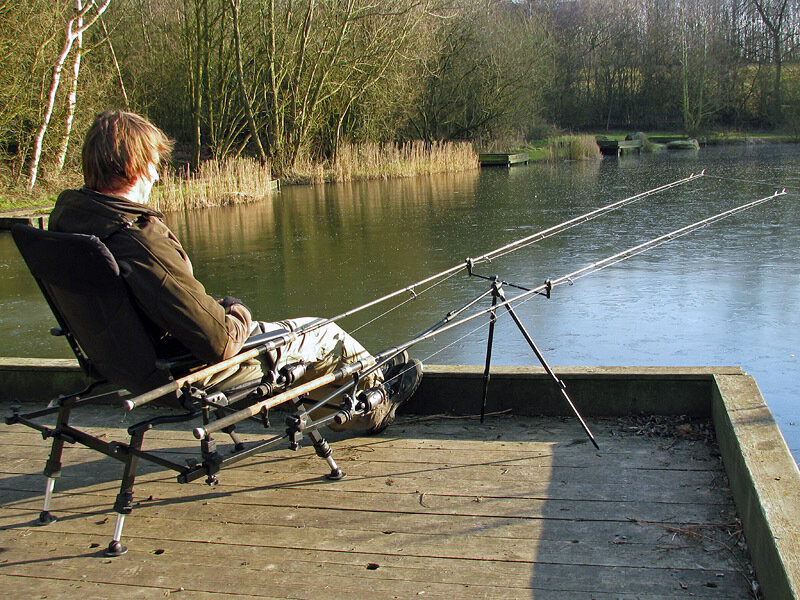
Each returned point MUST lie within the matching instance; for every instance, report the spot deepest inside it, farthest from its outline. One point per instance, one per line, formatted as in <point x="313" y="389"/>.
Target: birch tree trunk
<point x="69" y="39"/>
<point x="73" y="91"/>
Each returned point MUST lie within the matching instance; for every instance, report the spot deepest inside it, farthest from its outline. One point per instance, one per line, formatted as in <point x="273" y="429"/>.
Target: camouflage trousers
<point x="323" y="350"/>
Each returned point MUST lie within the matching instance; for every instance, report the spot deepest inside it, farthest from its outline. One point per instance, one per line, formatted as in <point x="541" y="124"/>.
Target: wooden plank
<point x="503" y="159"/>
<point x="486" y="472"/>
<point x="627" y="532"/>
<point x="431" y="509"/>
<point x="236" y="566"/>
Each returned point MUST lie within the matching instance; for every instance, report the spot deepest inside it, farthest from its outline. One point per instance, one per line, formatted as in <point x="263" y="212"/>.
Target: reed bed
<point x="574" y="147"/>
<point x="246" y="180"/>
<point x="216" y="183"/>
<point x="384" y="161"/>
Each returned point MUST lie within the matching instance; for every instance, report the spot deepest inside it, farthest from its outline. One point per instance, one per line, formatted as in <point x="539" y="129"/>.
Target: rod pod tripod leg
<point x="487" y="367"/>
<point x="497" y="293"/>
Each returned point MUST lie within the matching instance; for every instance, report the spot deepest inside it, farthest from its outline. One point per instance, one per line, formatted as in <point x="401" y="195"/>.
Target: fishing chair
<point x="86" y="291"/>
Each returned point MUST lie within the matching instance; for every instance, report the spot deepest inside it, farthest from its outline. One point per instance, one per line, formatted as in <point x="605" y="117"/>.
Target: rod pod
<point x="498" y="294"/>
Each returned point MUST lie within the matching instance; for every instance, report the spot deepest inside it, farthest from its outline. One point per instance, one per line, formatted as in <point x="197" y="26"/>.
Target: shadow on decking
<point x="445" y="507"/>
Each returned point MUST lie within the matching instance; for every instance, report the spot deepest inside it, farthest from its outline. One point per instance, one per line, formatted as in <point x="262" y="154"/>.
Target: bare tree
<point x="76" y="26"/>
<point x="320" y="57"/>
<point x="72" y="97"/>
<point x="248" y="107"/>
<point x="774" y="14"/>
<point x="693" y="57"/>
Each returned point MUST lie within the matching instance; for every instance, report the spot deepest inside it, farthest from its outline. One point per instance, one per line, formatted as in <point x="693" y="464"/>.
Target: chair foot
<point x="45" y="518"/>
<point x="115" y="548"/>
<point x="335" y="475"/>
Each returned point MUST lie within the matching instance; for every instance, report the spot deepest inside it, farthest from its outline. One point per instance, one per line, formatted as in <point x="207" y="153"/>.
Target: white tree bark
<point x="73" y="91"/>
<point x="75" y="28"/>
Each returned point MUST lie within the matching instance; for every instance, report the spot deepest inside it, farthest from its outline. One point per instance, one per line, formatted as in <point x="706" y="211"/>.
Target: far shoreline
<point x="34" y="207"/>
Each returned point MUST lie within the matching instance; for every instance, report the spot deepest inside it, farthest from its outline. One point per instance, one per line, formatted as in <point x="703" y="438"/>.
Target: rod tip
<point x="199" y="433"/>
<point x="129" y="405"/>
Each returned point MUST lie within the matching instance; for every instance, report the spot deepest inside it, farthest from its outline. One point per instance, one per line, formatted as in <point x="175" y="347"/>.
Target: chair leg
<point x="124" y="502"/>
<point x="46" y="517"/>
<point x="52" y="468"/>
<point x="116" y="547"/>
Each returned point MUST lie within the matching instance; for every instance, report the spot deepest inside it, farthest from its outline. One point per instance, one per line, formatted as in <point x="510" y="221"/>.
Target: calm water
<point x="725" y="295"/>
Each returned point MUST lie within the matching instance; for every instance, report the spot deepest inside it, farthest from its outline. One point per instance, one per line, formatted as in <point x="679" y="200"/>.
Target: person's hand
<point x="229" y="301"/>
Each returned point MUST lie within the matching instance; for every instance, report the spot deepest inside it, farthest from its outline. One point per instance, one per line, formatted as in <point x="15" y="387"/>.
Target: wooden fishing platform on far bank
<point x="439" y="505"/>
<point x="499" y="159"/>
<point x="24" y="217"/>
<point x="618" y="147"/>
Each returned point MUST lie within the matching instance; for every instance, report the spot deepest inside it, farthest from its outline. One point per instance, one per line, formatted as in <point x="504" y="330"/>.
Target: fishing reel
<point x="361" y="403"/>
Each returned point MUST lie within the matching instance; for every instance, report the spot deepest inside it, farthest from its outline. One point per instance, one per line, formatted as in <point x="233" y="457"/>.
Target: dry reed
<point x="246" y="180"/>
<point x="384" y="161"/>
<point x="216" y="183"/>
<point x="574" y="147"/>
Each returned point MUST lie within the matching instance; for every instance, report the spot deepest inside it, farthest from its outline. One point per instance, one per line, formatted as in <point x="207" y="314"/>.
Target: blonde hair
<point x="119" y="147"/>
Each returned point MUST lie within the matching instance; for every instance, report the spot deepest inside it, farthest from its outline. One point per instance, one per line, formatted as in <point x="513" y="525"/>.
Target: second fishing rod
<point x="259" y="345"/>
<point x="347" y="377"/>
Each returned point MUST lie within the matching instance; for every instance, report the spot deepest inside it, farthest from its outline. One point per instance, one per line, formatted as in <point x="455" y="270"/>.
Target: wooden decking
<point x="519" y="507"/>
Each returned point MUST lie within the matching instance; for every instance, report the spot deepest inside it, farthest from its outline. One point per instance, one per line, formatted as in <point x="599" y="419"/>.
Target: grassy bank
<point x="583" y="146"/>
<point x="717" y="138"/>
<point x="16" y="197"/>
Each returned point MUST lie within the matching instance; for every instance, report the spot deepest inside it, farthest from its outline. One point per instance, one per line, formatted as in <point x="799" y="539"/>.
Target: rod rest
<point x="148" y="424"/>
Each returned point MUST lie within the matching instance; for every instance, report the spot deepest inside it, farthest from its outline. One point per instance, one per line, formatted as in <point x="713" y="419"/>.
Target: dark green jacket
<point x="157" y="271"/>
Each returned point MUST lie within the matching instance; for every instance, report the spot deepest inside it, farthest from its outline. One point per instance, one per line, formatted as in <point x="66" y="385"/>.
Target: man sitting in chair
<point x="121" y="155"/>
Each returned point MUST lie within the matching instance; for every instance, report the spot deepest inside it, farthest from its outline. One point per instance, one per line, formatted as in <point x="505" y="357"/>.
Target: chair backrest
<point x="81" y="281"/>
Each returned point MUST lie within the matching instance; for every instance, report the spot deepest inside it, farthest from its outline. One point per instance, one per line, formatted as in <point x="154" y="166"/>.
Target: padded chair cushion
<point x="81" y="281"/>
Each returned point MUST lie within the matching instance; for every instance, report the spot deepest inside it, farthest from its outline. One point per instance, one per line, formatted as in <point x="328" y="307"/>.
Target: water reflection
<point x="313" y="250"/>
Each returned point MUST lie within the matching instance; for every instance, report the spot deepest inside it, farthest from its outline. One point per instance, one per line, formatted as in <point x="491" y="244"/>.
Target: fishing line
<point x="505" y="250"/>
<point x="484" y="325"/>
<point x="413" y="296"/>
<point x="567" y="225"/>
<point x="751" y="181"/>
<point x="596" y="266"/>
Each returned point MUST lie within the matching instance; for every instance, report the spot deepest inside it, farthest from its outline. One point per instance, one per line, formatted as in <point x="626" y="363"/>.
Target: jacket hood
<point x="90" y="212"/>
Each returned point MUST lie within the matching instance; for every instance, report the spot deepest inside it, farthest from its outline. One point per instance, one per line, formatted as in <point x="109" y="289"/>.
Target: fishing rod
<point x="454" y="319"/>
<point x="524" y="242"/>
<point x="267" y="342"/>
<point x="595" y="266"/>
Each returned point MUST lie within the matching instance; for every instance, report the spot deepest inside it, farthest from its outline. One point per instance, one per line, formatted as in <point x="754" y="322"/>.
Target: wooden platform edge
<point x="764" y="480"/>
<point x="26" y="380"/>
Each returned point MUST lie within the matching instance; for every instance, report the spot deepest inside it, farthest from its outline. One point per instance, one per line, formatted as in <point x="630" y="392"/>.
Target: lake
<point x="727" y="294"/>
